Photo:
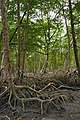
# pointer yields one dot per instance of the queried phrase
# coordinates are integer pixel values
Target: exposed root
(46, 96)
(26, 87)
(68, 87)
(4, 117)
(47, 86)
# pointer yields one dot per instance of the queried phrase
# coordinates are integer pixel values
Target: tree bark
(74, 39)
(7, 65)
(68, 36)
(18, 5)
(25, 37)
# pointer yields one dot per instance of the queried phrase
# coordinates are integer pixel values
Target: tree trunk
(18, 5)
(25, 37)
(47, 40)
(74, 39)
(68, 36)
(6, 61)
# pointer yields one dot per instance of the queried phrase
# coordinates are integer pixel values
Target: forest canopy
(49, 42)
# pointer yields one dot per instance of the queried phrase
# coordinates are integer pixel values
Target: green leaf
(77, 6)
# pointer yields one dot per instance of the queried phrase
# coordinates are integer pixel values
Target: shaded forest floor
(50, 96)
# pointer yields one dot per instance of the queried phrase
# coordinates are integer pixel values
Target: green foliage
(46, 32)
(77, 6)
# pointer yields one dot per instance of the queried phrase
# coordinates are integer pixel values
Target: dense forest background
(46, 26)
(39, 55)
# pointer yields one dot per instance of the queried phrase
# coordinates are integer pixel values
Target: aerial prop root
(14, 96)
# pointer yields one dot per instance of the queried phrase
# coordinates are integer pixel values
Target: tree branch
(17, 27)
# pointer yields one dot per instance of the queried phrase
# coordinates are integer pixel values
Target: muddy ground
(60, 108)
(71, 112)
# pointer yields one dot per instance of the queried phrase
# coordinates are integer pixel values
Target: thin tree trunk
(54, 58)
(74, 39)
(25, 37)
(17, 27)
(47, 39)
(18, 5)
(7, 65)
(69, 58)
(47, 55)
